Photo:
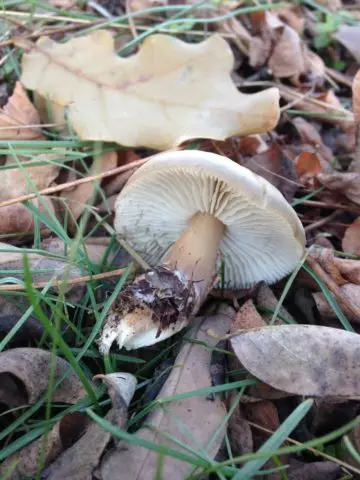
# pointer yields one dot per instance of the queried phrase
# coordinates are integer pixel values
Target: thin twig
(330, 206)
(72, 281)
(75, 183)
(145, 266)
(130, 19)
(322, 221)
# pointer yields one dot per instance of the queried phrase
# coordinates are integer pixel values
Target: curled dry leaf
(19, 181)
(303, 359)
(349, 36)
(78, 198)
(192, 421)
(80, 461)
(346, 183)
(24, 378)
(158, 98)
(30, 368)
(310, 136)
(349, 290)
(46, 448)
(351, 239)
(287, 58)
(19, 118)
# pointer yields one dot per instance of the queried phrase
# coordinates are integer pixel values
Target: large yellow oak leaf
(169, 92)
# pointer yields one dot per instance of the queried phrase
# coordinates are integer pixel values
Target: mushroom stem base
(155, 306)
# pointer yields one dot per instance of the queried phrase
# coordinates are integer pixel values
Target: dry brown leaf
(264, 414)
(351, 291)
(18, 219)
(20, 181)
(168, 92)
(19, 118)
(346, 183)
(307, 164)
(78, 198)
(46, 448)
(31, 331)
(116, 183)
(247, 318)
(303, 359)
(350, 269)
(309, 135)
(351, 239)
(239, 432)
(30, 366)
(276, 167)
(349, 36)
(80, 461)
(326, 105)
(287, 58)
(325, 470)
(192, 420)
(266, 300)
(326, 258)
(292, 15)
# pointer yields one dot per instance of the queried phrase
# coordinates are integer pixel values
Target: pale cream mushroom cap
(263, 238)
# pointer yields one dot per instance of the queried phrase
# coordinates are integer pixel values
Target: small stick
(72, 281)
(321, 222)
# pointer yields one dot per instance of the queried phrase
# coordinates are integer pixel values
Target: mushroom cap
(263, 238)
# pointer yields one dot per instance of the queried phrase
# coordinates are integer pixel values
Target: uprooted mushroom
(187, 213)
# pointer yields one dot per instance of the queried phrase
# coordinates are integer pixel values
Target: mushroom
(188, 213)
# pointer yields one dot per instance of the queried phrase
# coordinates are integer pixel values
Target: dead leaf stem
(67, 185)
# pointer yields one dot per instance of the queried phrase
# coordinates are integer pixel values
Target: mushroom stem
(161, 302)
(194, 253)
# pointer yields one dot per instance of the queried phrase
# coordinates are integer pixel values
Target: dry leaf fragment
(168, 92)
(309, 135)
(46, 448)
(349, 36)
(80, 461)
(349, 290)
(192, 420)
(287, 58)
(30, 367)
(20, 181)
(315, 470)
(346, 183)
(79, 197)
(19, 118)
(18, 219)
(351, 239)
(303, 359)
